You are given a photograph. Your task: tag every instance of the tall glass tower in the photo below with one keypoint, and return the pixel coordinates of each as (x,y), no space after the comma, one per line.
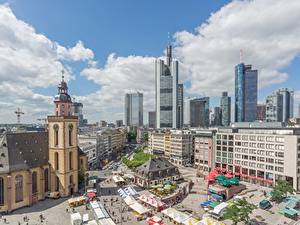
(225,104)
(245,93)
(168,94)
(134,109)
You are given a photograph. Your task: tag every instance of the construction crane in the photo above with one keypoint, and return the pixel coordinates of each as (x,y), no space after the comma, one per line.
(19,113)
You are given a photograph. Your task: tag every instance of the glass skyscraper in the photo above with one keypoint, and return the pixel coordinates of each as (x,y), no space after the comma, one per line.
(245,93)
(225,104)
(168,94)
(134,109)
(280,105)
(199,112)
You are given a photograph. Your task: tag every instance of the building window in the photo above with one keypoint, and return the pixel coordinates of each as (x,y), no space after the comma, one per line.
(70,134)
(55,128)
(57,184)
(56,160)
(34,183)
(1,191)
(46,180)
(19,188)
(70,160)
(71,179)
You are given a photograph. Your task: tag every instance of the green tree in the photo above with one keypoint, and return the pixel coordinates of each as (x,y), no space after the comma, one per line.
(281,189)
(239,211)
(81,176)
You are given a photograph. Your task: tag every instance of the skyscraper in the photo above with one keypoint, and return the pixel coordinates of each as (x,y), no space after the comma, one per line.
(168,95)
(261,112)
(199,112)
(152,119)
(77,110)
(225,104)
(245,93)
(134,109)
(217,116)
(279,105)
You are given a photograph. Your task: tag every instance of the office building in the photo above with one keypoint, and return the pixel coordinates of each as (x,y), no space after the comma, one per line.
(199,112)
(176,145)
(119,123)
(245,93)
(279,106)
(217,116)
(152,119)
(260,154)
(261,112)
(103,123)
(134,109)
(204,151)
(78,111)
(168,95)
(225,104)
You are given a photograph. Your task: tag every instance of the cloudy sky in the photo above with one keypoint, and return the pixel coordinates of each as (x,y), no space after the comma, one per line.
(107,48)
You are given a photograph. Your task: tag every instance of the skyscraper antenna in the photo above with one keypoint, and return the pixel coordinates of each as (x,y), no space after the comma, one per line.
(169,39)
(241,55)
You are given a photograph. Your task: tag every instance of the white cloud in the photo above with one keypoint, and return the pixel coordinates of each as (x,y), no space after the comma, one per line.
(266,30)
(30,60)
(77,53)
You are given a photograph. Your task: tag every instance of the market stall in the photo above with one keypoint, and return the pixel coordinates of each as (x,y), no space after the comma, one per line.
(152,202)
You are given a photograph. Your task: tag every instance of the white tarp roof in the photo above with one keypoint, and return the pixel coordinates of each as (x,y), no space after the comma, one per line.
(190,221)
(75,216)
(130,191)
(181,217)
(92,222)
(122,193)
(129,200)
(99,214)
(85,217)
(117,179)
(94,204)
(107,221)
(140,209)
(170,212)
(220,207)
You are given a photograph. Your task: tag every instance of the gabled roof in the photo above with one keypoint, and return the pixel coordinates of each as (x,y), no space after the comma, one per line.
(155,164)
(25,150)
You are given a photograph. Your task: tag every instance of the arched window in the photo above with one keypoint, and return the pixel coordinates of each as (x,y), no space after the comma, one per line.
(1,191)
(34,182)
(46,180)
(71,179)
(57,184)
(56,160)
(70,160)
(19,188)
(70,134)
(55,128)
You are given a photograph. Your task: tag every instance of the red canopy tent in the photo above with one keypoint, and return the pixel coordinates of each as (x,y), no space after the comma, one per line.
(227,175)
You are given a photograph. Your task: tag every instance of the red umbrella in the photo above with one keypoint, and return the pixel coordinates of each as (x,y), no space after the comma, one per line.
(227,175)
(91,195)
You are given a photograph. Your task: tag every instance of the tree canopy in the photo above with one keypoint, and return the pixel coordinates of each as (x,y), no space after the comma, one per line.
(239,211)
(281,189)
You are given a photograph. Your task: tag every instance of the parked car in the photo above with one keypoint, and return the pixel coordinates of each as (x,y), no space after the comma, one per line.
(265,204)
(54,195)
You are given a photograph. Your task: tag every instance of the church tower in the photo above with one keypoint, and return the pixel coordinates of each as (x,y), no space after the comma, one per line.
(63,152)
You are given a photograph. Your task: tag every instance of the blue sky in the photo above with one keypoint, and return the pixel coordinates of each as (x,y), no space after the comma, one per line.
(137,32)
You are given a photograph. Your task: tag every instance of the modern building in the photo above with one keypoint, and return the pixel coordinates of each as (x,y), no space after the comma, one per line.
(152,119)
(245,93)
(260,154)
(280,106)
(225,104)
(119,123)
(134,109)
(217,118)
(204,151)
(77,111)
(32,164)
(180,108)
(261,112)
(176,145)
(199,112)
(168,94)
(141,135)
(155,171)
(89,145)
(103,123)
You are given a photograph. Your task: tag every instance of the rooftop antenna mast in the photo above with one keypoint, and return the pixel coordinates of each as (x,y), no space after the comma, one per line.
(19,113)
(241,55)
(169,50)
